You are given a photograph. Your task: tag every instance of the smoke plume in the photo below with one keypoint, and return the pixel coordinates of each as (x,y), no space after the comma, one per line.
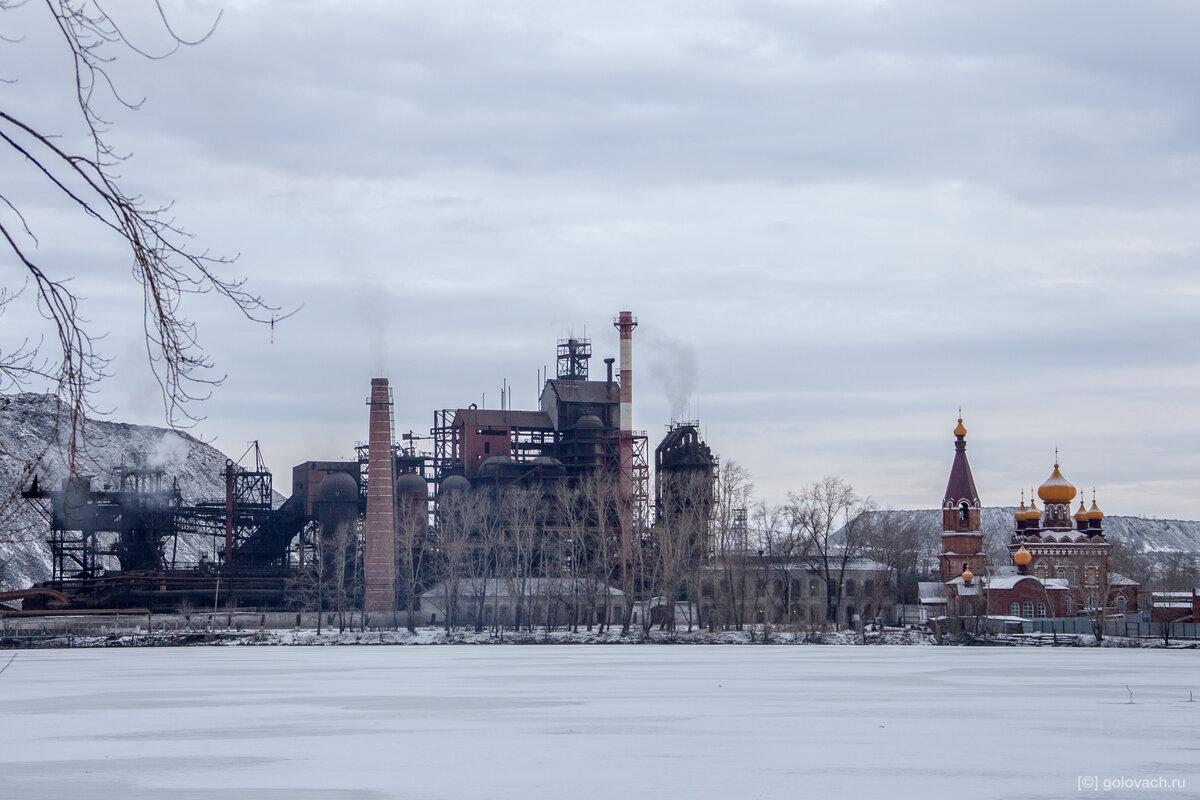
(673,367)
(170,453)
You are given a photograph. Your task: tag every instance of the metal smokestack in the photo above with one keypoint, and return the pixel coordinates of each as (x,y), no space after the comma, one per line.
(625,323)
(379,531)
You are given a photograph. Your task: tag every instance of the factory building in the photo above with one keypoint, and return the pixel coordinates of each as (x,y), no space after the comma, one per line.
(376,531)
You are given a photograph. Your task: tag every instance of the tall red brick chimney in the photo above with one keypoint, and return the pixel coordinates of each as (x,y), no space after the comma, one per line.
(379,540)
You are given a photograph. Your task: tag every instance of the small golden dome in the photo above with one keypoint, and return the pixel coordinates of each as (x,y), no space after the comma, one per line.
(1034,512)
(1022,513)
(1056,489)
(1022,557)
(961,430)
(1082,513)
(967,575)
(1094,512)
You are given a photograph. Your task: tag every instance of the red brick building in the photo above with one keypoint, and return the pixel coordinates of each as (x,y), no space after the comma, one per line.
(1060,562)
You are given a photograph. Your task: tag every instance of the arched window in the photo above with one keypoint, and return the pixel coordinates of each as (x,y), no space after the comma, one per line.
(1071,577)
(1041,571)
(1028,609)
(1041,610)
(1120,604)
(1092,602)
(1014,610)
(964,513)
(1062,573)
(1069,606)
(849,588)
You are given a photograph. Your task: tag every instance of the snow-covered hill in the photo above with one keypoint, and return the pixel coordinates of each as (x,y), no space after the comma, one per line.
(1152,538)
(33,435)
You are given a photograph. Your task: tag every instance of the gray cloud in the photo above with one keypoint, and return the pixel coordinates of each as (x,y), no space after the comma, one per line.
(857,215)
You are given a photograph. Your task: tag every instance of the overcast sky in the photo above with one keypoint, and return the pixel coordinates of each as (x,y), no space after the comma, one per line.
(838,222)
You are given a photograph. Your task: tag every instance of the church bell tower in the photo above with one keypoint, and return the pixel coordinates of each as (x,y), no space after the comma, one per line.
(962,525)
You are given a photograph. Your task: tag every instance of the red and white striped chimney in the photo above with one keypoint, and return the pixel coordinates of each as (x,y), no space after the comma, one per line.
(625,323)
(379,534)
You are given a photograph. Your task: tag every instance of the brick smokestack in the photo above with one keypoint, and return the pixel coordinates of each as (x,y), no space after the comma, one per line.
(379,544)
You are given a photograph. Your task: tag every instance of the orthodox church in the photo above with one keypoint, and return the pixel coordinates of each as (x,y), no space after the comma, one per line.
(1057,563)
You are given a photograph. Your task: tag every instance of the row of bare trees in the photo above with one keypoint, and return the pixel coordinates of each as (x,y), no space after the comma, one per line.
(786,562)
(552,554)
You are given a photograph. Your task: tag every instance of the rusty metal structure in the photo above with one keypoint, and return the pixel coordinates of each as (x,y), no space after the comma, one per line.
(685,479)
(117,545)
(577,430)
(116,542)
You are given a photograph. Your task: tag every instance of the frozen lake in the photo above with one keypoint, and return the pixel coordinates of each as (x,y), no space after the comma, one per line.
(581,722)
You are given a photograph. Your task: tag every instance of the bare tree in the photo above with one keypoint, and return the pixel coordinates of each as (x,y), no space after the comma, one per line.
(523,513)
(459,515)
(894,539)
(731,545)
(783,547)
(600,495)
(340,575)
(163,260)
(673,528)
(829,516)
(573,526)
(412,534)
(320,582)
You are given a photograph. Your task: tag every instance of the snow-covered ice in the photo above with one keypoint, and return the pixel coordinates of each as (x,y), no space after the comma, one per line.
(595,722)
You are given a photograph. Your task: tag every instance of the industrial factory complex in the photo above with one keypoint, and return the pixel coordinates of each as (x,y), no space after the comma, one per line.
(560,494)
(504,517)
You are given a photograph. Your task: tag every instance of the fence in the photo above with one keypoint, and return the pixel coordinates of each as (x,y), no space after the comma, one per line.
(1115,627)
(1154,630)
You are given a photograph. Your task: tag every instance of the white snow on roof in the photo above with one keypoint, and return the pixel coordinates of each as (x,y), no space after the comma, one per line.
(931,593)
(1009,581)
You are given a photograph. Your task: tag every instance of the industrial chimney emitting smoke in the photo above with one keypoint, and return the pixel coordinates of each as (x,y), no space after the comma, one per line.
(379,541)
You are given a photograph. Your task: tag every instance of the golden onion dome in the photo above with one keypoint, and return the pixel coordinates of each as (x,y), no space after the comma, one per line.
(1022,513)
(1056,489)
(1094,512)
(1082,513)
(1022,557)
(960,430)
(967,575)
(1034,512)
